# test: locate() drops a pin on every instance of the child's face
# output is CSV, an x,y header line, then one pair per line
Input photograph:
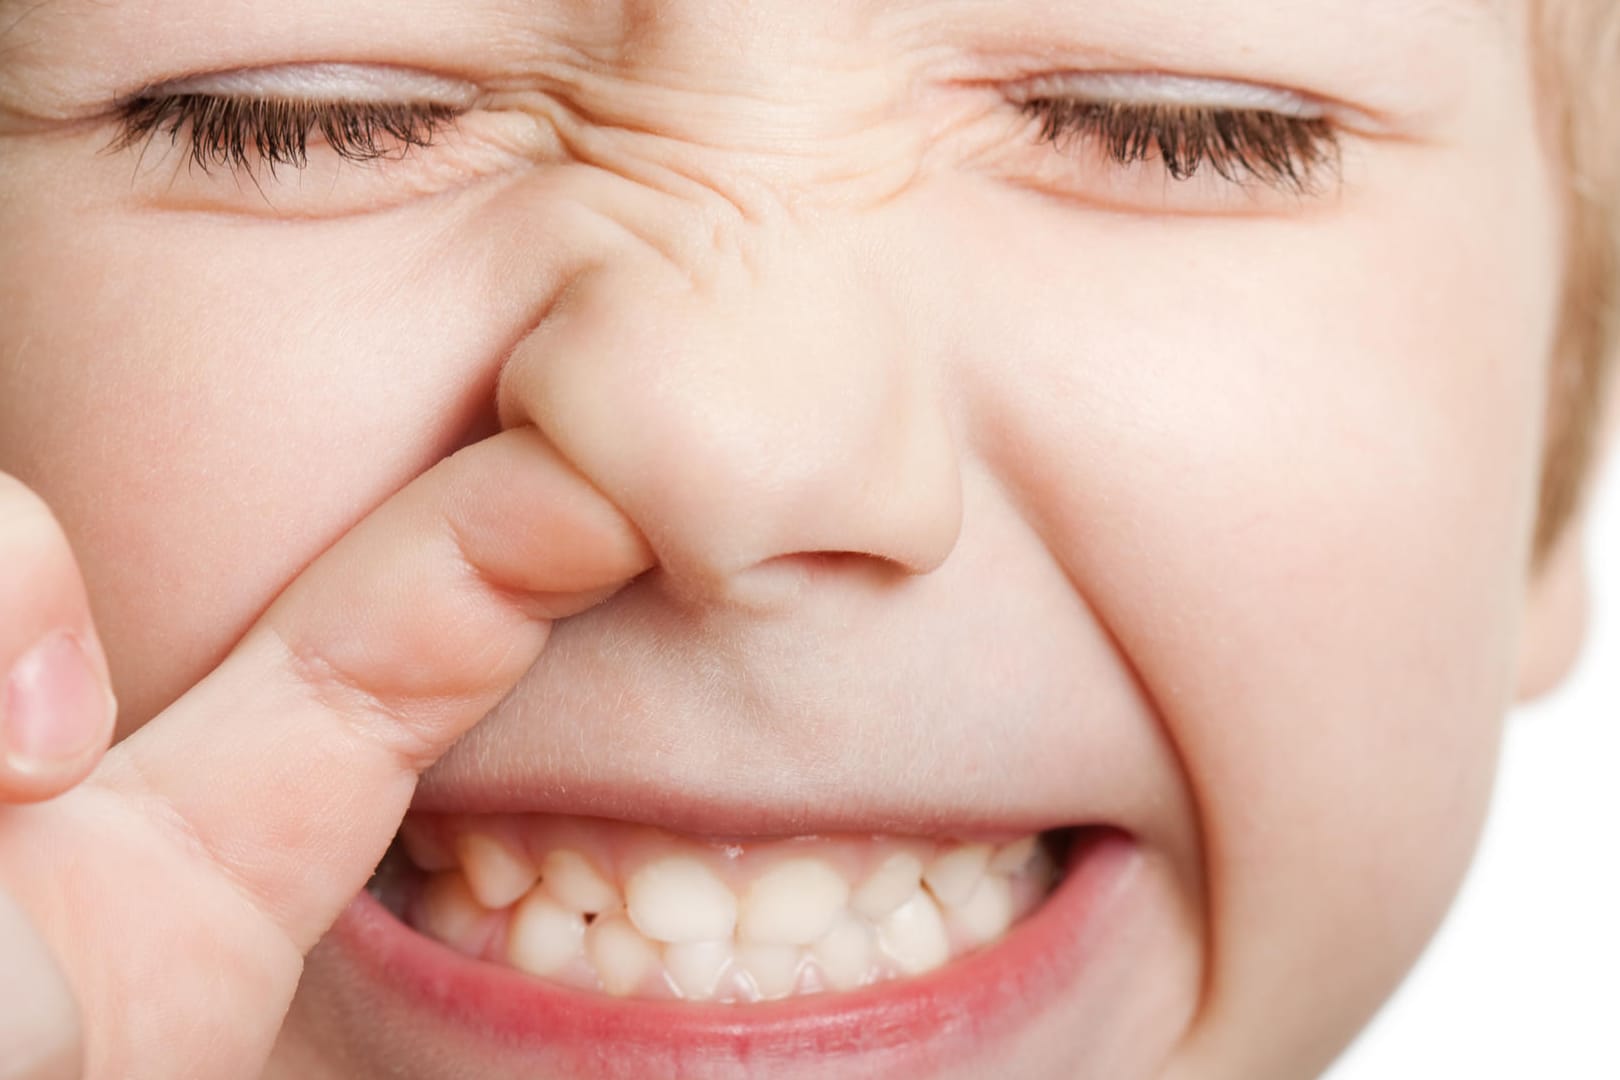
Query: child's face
x,y
996,487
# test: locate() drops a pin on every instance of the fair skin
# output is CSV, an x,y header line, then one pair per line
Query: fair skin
x,y
883,470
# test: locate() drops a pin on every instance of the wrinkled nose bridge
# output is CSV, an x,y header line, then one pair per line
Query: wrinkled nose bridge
x,y
765,411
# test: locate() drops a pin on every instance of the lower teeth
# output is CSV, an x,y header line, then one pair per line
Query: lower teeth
x,y
669,918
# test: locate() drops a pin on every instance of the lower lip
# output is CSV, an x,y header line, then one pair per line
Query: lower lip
x,y
906,1027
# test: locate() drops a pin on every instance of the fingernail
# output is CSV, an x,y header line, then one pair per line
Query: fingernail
x,y
56,706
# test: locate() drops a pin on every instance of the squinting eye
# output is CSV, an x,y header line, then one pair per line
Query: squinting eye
x,y
1238,145
244,134
1239,133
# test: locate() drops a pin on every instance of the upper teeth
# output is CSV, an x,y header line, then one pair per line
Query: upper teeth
x,y
655,915
890,886
497,874
793,903
954,875
570,877
678,899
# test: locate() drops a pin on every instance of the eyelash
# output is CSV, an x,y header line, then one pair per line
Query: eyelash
x,y
241,134
1293,153
1238,145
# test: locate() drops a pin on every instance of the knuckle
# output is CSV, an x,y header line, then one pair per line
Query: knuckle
x,y
403,729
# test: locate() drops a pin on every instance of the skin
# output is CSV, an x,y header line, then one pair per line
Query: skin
x,y
1201,510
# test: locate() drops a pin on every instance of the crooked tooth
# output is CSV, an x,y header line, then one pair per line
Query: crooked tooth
x,y
914,935
544,937
892,884
844,953
621,956
1010,858
497,875
987,914
678,899
451,913
953,876
695,967
575,883
773,969
792,903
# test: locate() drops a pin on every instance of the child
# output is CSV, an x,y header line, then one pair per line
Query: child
x,y
845,539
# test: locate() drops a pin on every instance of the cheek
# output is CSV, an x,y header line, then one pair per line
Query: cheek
x,y
1292,467
216,416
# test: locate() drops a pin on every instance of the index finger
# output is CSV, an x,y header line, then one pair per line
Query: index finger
x,y
291,765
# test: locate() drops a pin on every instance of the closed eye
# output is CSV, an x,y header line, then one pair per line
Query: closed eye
x,y
1296,153
245,134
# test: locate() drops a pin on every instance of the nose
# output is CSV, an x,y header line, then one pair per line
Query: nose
x,y
761,410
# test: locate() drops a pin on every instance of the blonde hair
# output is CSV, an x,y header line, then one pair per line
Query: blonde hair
x,y
1580,78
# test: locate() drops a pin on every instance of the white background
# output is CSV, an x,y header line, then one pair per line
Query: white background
x,y
1523,982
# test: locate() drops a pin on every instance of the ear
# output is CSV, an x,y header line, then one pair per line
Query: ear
x,y
1555,616
1556,611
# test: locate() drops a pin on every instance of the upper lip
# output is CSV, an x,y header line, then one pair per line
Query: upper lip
x,y
826,722
737,783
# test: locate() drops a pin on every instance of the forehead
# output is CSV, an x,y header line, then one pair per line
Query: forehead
x,y
490,34
1407,63
13,13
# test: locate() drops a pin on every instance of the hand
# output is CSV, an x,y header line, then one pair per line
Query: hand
x,y
154,914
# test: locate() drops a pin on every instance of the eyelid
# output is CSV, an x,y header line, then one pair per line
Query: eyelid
x,y
1127,88
350,83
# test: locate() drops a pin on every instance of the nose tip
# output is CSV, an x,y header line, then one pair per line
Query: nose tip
x,y
759,434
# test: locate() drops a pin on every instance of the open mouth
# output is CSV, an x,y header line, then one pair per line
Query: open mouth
x,y
422,972
632,911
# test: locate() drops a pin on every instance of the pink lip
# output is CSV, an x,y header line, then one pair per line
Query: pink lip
x,y
909,1027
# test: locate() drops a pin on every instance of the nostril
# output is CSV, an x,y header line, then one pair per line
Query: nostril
x,y
817,565
789,576
782,582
